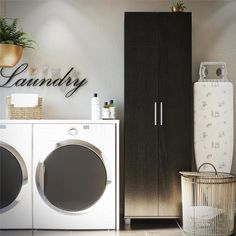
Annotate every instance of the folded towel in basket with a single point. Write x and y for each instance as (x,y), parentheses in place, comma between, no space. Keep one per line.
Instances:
(24,100)
(204,212)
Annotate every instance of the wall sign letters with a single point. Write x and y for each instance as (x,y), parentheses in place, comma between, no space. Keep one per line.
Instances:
(7,80)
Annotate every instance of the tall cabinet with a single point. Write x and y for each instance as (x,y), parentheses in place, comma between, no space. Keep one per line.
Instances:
(158,112)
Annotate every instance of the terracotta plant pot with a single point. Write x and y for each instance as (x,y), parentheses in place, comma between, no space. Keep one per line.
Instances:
(10,54)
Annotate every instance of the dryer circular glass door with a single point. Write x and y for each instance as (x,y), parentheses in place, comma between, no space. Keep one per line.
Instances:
(72,177)
(13,175)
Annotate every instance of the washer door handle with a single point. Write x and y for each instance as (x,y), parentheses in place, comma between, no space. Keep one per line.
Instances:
(109,177)
(40,176)
(108,170)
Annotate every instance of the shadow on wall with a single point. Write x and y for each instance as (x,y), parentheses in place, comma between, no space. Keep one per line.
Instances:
(211,22)
(214,30)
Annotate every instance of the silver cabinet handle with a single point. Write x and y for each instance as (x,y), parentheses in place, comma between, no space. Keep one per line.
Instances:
(161,113)
(155,113)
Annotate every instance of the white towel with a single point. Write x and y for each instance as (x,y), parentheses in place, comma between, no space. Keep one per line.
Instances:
(24,100)
(204,212)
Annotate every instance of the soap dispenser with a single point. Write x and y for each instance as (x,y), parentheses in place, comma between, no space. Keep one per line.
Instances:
(112,110)
(95,107)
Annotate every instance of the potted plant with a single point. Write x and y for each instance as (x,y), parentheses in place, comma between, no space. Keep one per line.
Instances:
(12,42)
(178,6)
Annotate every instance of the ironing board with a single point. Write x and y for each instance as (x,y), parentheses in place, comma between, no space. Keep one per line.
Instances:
(213,118)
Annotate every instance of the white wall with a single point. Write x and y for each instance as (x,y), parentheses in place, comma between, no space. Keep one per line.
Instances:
(88,34)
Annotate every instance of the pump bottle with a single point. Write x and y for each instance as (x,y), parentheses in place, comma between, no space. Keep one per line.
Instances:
(95,107)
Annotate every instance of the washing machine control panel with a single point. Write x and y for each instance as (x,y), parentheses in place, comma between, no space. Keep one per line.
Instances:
(73,131)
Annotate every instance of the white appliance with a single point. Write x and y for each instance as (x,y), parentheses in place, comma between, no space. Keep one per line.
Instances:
(76,171)
(213,117)
(15,176)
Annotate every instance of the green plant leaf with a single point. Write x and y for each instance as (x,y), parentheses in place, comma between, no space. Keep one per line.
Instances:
(10,34)
(180,4)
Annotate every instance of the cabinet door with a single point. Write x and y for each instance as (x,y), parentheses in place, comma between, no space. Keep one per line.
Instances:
(175,93)
(141,156)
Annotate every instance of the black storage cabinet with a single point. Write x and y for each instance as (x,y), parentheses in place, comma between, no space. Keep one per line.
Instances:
(158,112)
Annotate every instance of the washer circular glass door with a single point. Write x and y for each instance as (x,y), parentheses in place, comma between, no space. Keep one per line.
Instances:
(72,177)
(13,176)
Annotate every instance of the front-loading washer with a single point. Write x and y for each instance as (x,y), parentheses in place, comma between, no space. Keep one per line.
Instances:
(15,176)
(75,169)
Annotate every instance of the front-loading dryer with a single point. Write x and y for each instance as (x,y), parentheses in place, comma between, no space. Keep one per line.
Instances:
(75,169)
(15,176)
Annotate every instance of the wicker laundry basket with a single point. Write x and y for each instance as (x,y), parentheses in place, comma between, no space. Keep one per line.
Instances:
(208,203)
(24,113)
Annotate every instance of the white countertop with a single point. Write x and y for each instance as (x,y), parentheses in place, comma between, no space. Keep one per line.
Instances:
(59,121)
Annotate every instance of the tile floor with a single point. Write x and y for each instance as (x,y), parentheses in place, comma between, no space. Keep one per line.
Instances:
(138,228)
(157,232)
(160,232)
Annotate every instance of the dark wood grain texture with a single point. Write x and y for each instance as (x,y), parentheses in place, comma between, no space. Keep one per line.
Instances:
(157,69)
(175,143)
(141,55)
